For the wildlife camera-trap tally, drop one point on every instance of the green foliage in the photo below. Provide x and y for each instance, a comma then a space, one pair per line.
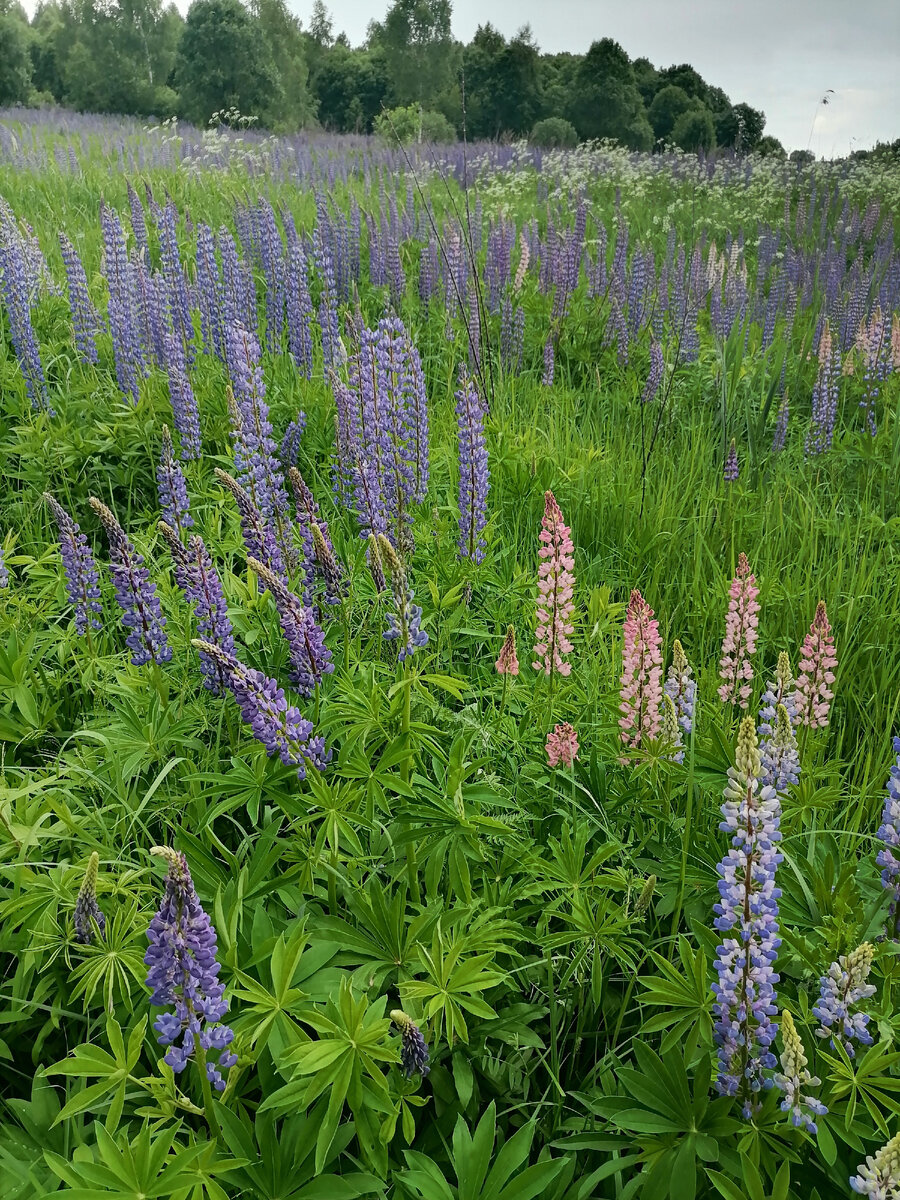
15, 60
606, 102
694, 130
554, 133
403, 126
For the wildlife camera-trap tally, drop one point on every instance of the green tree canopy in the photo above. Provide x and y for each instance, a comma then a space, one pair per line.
418, 46
15, 60
694, 130
606, 101
291, 106
223, 62
668, 105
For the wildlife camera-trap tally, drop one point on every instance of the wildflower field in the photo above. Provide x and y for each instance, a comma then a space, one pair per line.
449, 624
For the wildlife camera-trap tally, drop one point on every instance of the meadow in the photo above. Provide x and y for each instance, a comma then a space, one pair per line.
449, 671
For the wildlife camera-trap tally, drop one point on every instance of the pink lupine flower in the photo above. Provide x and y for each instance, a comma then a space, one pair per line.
562, 746
641, 673
508, 663
817, 662
740, 636
556, 584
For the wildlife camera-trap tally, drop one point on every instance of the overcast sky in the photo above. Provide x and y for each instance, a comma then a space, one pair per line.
778, 55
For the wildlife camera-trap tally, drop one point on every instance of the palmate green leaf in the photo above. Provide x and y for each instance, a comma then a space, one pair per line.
115, 1071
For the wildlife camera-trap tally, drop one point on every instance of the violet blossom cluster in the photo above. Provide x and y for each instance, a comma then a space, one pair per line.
825, 395
79, 568
739, 643
748, 908
310, 657
681, 688
414, 1055
183, 975
889, 833
88, 913
198, 578
259, 536
841, 989
405, 624
279, 727
172, 487
135, 593
85, 318
779, 754
473, 469
795, 1077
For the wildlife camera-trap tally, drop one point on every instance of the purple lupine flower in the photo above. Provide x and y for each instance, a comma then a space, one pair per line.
681, 688
307, 511
840, 991
85, 318
376, 567
271, 253
82, 578
185, 412
183, 975
825, 395
15, 289
745, 986
172, 486
126, 341
795, 1076
512, 334
259, 537
655, 374
310, 657
328, 563
87, 910
290, 443
781, 425
136, 594
879, 1175
4, 570
209, 293
138, 223
779, 755
779, 690
238, 290
405, 626
255, 446
414, 1055
731, 471
889, 833
198, 578
549, 362
279, 727
299, 311
173, 271
473, 469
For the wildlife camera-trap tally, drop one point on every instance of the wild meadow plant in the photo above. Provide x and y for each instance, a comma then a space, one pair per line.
436, 921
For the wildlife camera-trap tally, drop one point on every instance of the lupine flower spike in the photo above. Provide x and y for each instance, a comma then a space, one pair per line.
889, 832
840, 991
817, 662
414, 1055
4, 570
739, 643
732, 470
562, 746
406, 625
556, 586
310, 657
681, 688
748, 905
641, 693
281, 728
87, 911
136, 594
508, 663
779, 754
780, 690
670, 731
183, 975
794, 1077
173, 496
879, 1175
376, 566
198, 578
82, 579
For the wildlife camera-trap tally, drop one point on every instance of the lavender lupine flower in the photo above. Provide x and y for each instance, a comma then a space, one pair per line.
817, 662
87, 910
279, 727
4, 570
198, 578
255, 447
16, 291
209, 293
85, 318
825, 395
405, 626
138, 222
779, 754
414, 1054
641, 693
840, 990
259, 537
299, 310
732, 470
739, 643
794, 1077
655, 374
879, 1175
329, 565
549, 362
136, 594
185, 412
376, 566
681, 688
173, 496
779, 690
310, 657
669, 729
889, 832
290, 443
781, 425
173, 272
745, 987
183, 975
82, 578
473, 470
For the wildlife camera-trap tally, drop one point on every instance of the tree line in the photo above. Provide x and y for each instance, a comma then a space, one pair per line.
141, 58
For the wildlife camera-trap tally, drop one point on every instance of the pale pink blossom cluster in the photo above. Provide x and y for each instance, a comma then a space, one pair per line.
562, 746
641, 692
508, 663
740, 636
817, 662
556, 585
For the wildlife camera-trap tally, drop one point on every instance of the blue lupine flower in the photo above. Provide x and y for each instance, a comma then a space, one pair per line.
82, 578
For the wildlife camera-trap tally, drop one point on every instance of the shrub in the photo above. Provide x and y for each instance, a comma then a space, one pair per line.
554, 133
